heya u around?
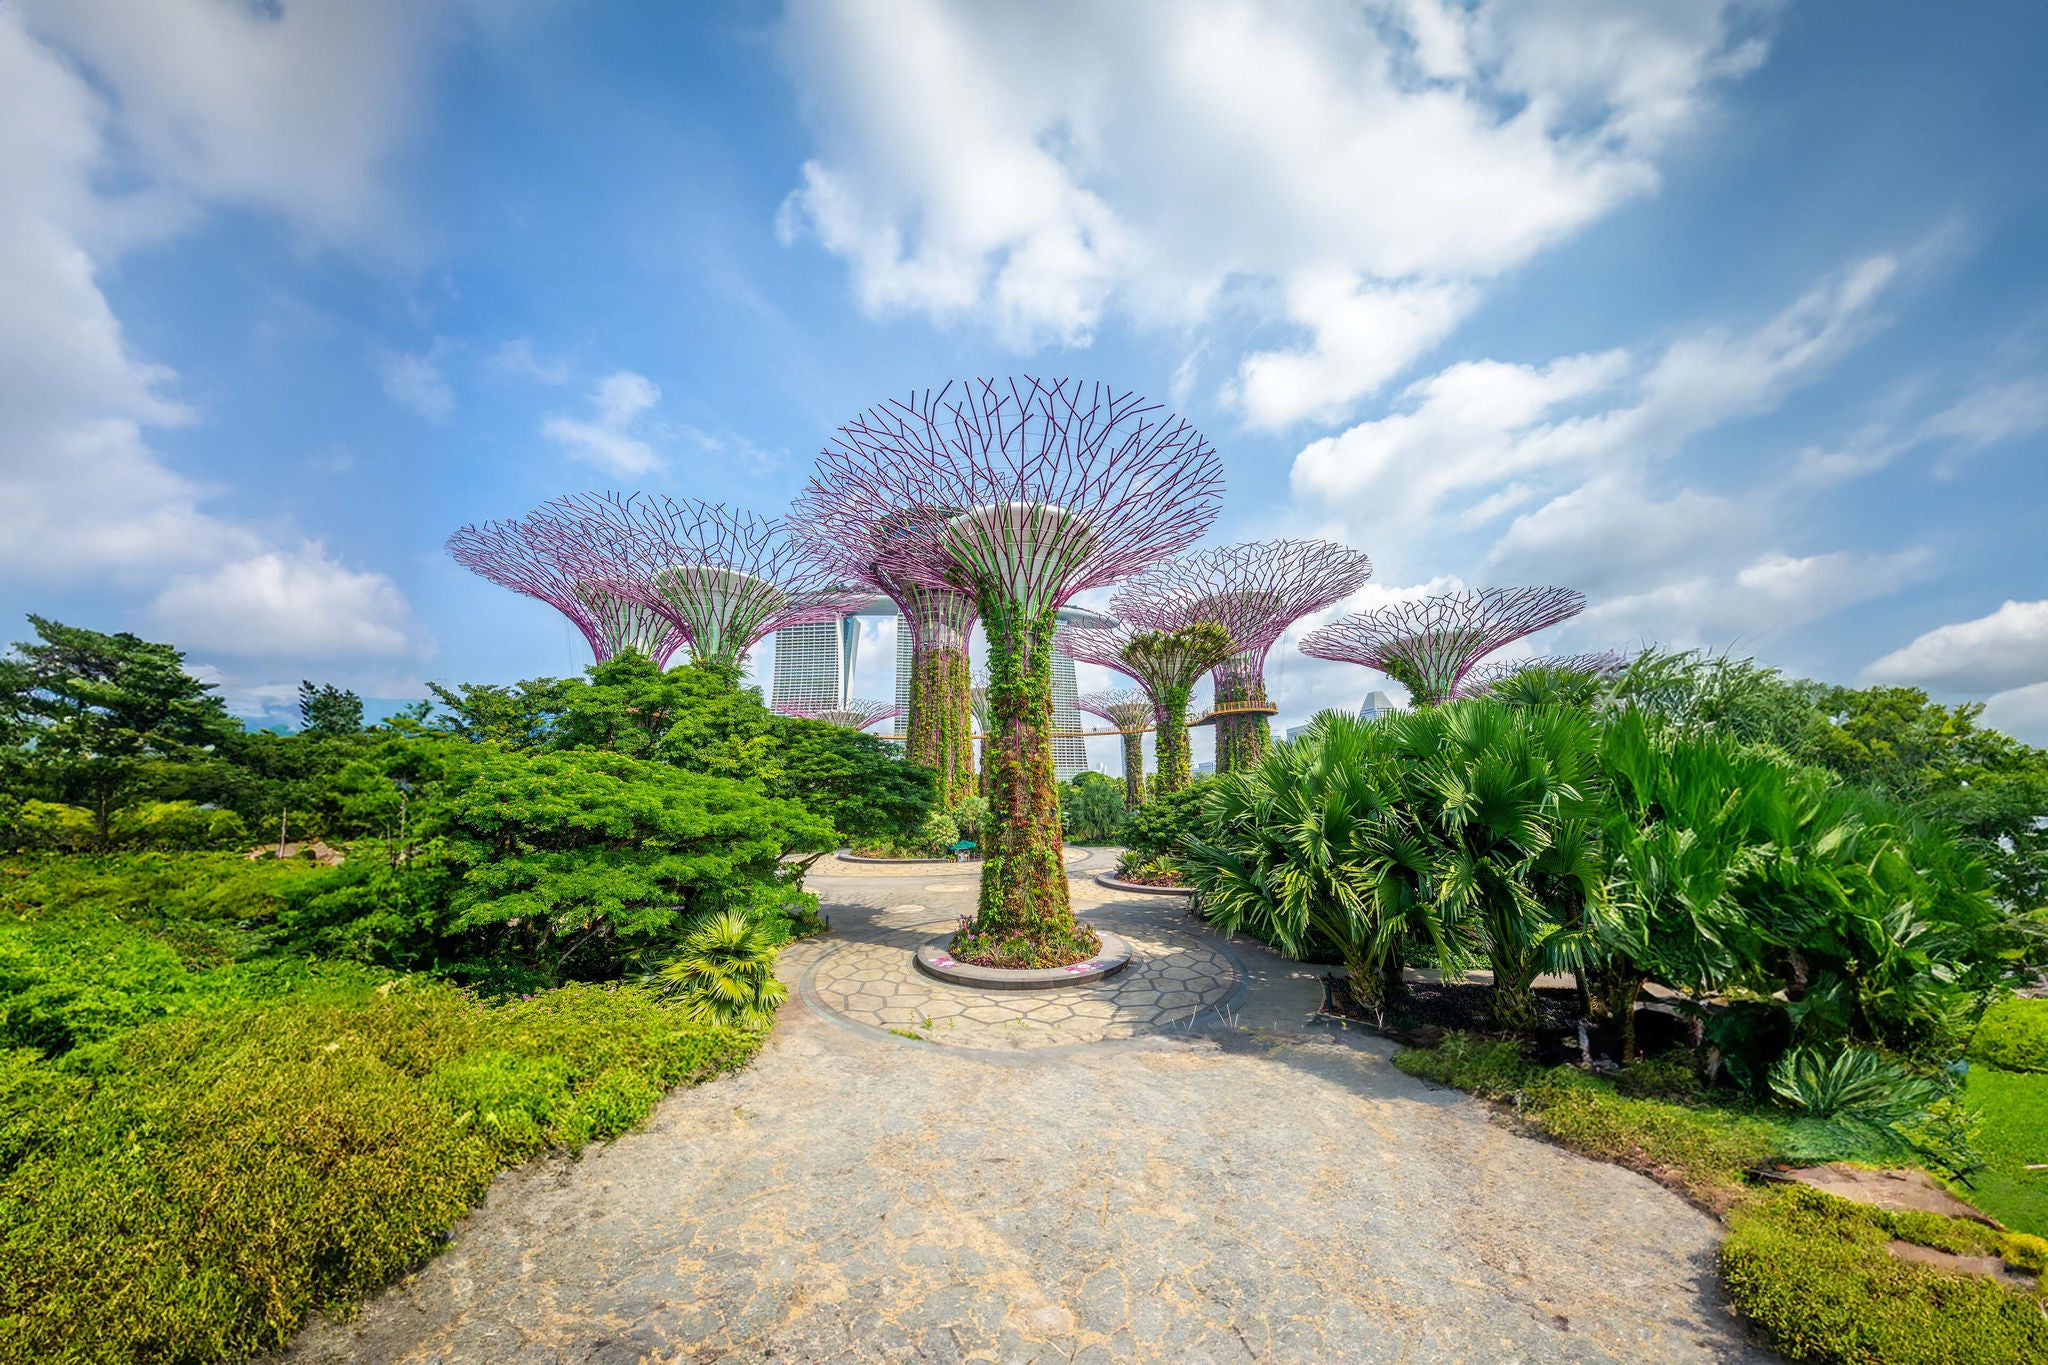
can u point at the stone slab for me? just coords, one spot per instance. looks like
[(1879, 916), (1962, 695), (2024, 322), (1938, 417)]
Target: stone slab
[(933, 960)]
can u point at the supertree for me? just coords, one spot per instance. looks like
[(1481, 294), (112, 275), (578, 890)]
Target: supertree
[(1593, 664), (724, 577), (1023, 493), (1166, 660), (1255, 591), (522, 555), (1429, 645), (854, 714), (1130, 711), (939, 732)]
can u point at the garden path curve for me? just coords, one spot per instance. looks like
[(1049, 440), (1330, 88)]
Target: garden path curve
[(1178, 1164)]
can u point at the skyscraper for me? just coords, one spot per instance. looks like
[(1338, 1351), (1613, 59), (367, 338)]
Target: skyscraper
[(814, 664)]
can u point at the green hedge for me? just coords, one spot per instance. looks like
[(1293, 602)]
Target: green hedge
[(189, 1190), (2013, 1036), (1813, 1271)]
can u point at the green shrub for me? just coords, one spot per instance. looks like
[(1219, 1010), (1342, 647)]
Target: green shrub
[(190, 1190), (2013, 1035), (1161, 827), (1814, 1273), (724, 973)]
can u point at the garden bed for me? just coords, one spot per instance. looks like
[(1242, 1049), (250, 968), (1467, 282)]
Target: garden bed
[(1432, 1009)]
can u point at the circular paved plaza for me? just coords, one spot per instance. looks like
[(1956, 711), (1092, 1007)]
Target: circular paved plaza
[(1178, 1164)]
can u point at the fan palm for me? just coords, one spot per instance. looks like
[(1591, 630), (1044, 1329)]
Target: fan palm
[(724, 972)]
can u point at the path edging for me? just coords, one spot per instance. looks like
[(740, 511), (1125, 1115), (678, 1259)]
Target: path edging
[(1106, 879)]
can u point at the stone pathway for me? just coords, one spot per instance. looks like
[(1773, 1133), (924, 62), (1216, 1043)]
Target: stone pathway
[(1173, 1165)]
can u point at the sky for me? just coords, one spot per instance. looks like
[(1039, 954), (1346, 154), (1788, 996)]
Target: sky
[(1732, 315)]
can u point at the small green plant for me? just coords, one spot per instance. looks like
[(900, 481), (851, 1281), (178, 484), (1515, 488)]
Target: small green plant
[(725, 973), (1815, 1273), (2013, 1035)]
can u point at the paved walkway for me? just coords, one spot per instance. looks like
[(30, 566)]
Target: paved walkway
[(1174, 1165)]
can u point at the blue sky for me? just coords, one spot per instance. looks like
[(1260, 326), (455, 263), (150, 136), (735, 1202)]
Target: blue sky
[(1733, 315)]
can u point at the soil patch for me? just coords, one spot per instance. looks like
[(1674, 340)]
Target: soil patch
[(1906, 1190), (1431, 1009)]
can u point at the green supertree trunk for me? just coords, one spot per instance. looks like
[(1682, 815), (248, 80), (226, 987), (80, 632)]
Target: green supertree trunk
[(940, 730), (1176, 768), (1241, 740), (1024, 916), (1134, 769)]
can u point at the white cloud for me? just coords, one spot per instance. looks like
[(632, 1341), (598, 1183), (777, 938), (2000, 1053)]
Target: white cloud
[(2021, 712), (607, 440), (1989, 416), (1359, 171), (516, 357), (2003, 651), (300, 603), (1771, 593), (188, 102), (415, 382)]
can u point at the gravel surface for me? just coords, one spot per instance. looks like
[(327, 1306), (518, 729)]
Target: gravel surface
[(1243, 1185)]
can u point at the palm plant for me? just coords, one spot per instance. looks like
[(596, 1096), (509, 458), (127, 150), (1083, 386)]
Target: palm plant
[(1314, 843), (1500, 793), (724, 972)]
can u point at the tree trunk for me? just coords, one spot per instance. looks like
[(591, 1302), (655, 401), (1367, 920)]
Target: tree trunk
[(1172, 746), (1024, 913), (1134, 769), (939, 731), (1241, 740)]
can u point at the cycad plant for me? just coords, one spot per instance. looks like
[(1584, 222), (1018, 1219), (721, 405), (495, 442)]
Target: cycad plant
[(724, 972), (1314, 843)]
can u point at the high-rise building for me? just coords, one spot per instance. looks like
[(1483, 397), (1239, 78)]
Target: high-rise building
[(1377, 704), (814, 664)]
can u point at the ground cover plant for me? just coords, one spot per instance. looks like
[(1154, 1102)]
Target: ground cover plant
[(236, 1087)]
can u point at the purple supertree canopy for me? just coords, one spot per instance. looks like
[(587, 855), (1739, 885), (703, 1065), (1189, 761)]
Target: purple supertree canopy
[(937, 617), (1158, 656), (1035, 489), (1596, 663), (855, 714), (1254, 590), (727, 578), (1430, 644), (1127, 708), (524, 556)]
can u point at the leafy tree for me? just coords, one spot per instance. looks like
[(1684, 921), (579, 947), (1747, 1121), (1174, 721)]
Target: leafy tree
[(595, 856), (328, 710), (1091, 808), (89, 712)]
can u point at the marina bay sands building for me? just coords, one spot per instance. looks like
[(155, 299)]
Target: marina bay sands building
[(814, 667)]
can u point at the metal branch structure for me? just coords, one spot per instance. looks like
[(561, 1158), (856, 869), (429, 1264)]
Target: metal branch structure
[(1431, 644), (521, 555), (1255, 591), (1166, 661), (939, 731), (1130, 711), (854, 715), (725, 578), (1604, 663), (1020, 493)]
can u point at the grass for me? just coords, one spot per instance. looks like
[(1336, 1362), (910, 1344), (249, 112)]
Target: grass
[(2014, 1135), (1810, 1269)]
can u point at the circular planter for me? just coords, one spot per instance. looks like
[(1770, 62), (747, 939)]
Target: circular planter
[(934, 960), (847, 855), (1108, 880)]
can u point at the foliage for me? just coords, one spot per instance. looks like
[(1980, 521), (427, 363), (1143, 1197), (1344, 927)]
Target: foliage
[(1164, 825), (689, 719), (1814, 1272), (595, 853), (1092, 808), (328, 710), (1313, 846), (85, 713), (189, 1190), (2013, 1034), (724, 972)]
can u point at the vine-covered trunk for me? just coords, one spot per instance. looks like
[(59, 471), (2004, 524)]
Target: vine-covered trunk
[(1241, 739), (1134, 769), (1170, 706), (940, 730), (1024, 913)]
